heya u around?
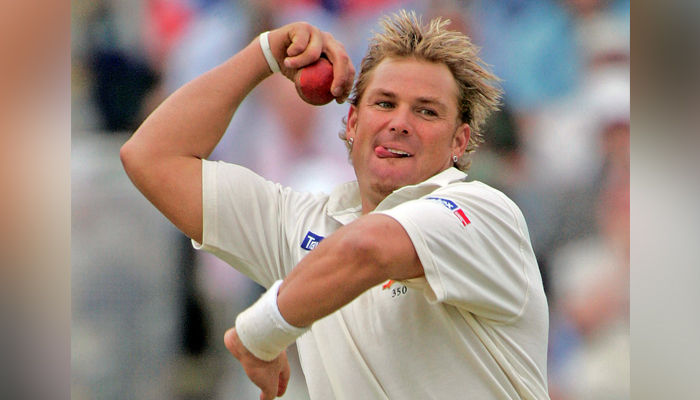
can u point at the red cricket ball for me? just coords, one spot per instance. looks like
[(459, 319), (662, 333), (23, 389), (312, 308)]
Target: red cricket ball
[(313, 82)]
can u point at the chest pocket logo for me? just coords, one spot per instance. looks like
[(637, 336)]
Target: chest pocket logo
[(311, 241)]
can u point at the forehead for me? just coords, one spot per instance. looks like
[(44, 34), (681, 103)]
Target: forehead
[(411, 78)]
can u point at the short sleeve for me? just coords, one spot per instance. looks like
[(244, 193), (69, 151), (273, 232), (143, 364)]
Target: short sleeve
[(247, 219), (474, 247)]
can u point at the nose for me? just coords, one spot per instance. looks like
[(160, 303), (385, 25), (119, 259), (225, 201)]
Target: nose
[(400, 121), (403, 131)]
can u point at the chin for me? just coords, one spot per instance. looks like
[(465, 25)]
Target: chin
[(388, 181)]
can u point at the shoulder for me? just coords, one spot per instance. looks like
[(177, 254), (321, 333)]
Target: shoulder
[(483, 206), (475, 190), (478, 195)]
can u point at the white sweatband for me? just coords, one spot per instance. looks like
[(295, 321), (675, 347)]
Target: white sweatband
[(263, 330), (267, 52)]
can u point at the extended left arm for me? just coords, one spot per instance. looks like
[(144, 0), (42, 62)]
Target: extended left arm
[(355, 258)]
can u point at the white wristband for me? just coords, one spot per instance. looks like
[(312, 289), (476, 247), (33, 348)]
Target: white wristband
[(263, 330), (267, 52)]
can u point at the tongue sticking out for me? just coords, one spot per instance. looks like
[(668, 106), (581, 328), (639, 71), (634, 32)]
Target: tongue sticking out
[(382, 152)]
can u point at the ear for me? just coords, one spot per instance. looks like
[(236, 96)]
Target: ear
[(352, 123), (461, 139)]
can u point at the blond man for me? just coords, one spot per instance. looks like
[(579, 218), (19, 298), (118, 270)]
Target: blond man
[(409, 283)]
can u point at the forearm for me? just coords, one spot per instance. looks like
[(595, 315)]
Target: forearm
[(192, 120), (352, 260), (338, 270), (329, 277)]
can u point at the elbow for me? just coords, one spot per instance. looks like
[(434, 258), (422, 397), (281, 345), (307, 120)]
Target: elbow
[(130, 157), (125, 155)]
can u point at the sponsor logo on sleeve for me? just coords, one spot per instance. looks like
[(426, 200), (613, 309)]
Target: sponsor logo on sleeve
[(452, 206), (311, 241)]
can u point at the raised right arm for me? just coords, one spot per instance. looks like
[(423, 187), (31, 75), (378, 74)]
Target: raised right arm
[(163, 157)]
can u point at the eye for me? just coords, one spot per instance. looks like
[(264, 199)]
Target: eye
[(428, 112), (384, 104)]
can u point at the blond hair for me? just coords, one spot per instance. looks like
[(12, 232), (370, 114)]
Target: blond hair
[(404, 36)]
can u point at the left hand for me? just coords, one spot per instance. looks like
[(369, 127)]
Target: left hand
[(271, 377)]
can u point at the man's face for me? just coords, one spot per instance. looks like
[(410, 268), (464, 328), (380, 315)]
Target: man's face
[(405, 128)]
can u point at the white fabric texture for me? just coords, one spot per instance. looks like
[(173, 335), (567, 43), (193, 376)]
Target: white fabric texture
[(475, 327)]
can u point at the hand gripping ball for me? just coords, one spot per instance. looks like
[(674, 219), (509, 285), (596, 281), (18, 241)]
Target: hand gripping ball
[(313, 82)]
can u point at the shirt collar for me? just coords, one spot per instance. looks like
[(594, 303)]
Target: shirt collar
[(345, 205)]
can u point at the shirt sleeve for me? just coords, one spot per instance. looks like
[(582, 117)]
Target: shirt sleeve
[(474, 247), (247, 219)]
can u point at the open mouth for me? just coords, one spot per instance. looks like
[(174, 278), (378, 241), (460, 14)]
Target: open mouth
[(383, 152)]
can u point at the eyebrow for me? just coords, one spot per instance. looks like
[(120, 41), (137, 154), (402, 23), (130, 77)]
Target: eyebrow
[(432, 101), (383, 93)]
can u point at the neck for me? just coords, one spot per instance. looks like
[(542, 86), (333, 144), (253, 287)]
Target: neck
[(368, 206), (372, 196)]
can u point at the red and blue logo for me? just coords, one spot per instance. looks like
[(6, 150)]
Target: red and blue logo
[(452, 206)]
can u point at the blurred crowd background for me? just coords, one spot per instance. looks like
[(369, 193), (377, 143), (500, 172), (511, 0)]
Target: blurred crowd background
[(149, 313)]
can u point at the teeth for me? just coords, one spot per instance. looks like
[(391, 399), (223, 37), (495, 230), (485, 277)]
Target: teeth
[(399, 152)]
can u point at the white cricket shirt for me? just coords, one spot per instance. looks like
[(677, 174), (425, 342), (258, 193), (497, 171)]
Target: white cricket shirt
[(475, 327)]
